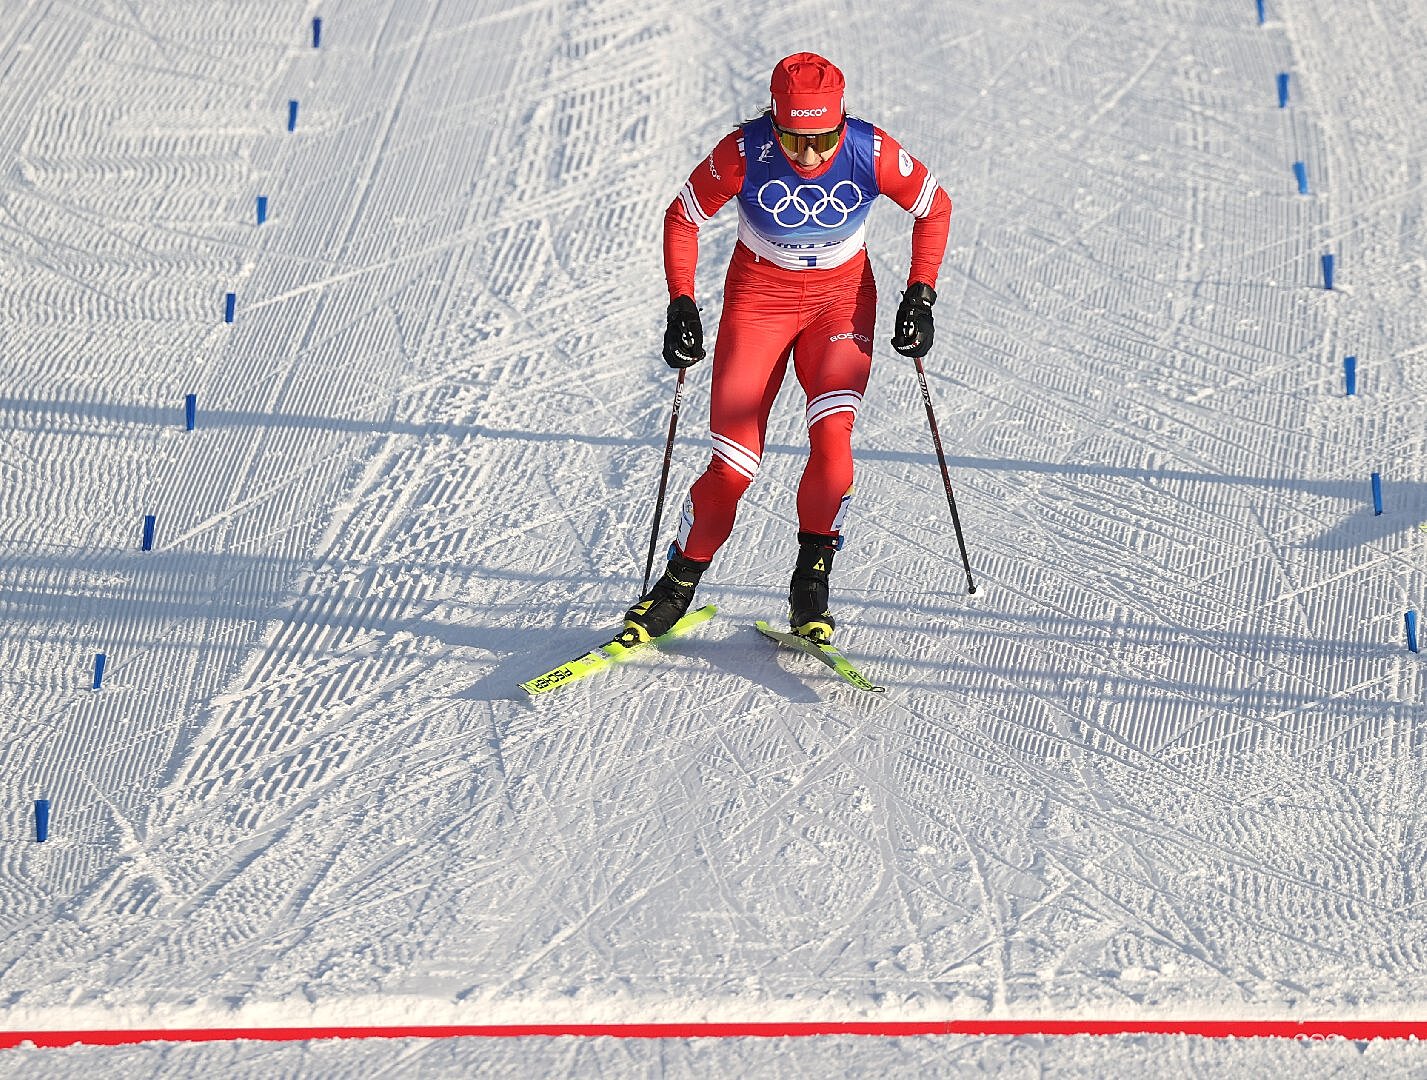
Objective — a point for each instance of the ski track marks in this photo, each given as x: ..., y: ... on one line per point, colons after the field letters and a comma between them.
x: 1167, y: 757
x: 1113, y: 1056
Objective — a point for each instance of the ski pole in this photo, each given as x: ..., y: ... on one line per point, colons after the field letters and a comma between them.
x: 664, y: 477
x: 945, y: 476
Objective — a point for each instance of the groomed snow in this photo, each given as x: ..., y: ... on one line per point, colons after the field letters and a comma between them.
x: 1168, y: 761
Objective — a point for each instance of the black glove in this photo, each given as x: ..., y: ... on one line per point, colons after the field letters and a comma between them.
x: 684, y: 335
x: 914, y: 333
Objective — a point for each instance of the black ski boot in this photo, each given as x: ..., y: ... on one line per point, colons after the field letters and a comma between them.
x: 807, y: 593
x: 667, y: 602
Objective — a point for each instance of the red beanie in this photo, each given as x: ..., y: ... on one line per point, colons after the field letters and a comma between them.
x: 807, y: 92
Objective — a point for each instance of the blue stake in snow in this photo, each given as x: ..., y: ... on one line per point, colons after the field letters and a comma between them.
x: 1259, y: 4
x: 1328, y: 271
x: 1411, y: 620
x: 292, y: 116
x: 262, y: 209
x: 316, y: 33
x: 42, y: 820
x: 149, y: 522
x: 98, y: 670
x: 1300, y: 172
x: 190, y: 412
x: 230, y: 306
x: 1350, y: 374
x: 1282, y: 89
x: 1376, y: 494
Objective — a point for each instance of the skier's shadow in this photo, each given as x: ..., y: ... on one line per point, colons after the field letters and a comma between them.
x: 556, y: 646
x: 748, y: 655
x: 1405, y: 508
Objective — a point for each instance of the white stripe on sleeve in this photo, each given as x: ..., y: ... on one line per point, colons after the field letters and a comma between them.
x: 922, y: 207
x: 691, y: 205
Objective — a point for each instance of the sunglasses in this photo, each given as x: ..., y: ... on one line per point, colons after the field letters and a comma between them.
x: 822, y: 141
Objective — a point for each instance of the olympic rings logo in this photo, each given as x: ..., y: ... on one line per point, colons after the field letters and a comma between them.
x: 809, y: 202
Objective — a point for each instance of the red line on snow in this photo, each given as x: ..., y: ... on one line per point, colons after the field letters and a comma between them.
x: 1357, y: 1030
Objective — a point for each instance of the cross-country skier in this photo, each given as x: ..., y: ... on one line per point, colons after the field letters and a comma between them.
x: 799, y: 285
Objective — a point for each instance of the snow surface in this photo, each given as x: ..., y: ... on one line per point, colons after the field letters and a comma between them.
x: 1072, y: 1058
x: 1166, y: 762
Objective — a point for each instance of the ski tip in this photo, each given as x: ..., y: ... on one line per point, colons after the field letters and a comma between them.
x: 545, y: 683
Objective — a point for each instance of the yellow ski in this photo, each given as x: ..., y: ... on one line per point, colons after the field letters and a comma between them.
x: 828, y: 654
x: 612, y: 652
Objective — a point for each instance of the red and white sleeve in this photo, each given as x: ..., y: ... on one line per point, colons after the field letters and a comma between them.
x: 716, y: 180
x: 910, y: 184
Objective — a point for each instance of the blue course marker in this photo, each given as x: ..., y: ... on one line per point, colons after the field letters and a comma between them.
x: 230, y: 306
x: 42, y: 820
x: 149, y: 522
x: 262, y: 209
x: 1350, y: 374
x: 1282, y: 89
x: 317, y: 33
x: 98, y: 670
x: 1376, y: 494
x: 1411, y: 620
x: 1300, y: 173
x: 190, y: 412
x: 1259, y: 5
x: 292, y: 116
x: 1328, y: 271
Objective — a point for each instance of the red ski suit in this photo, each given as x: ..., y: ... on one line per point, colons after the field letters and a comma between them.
x: 780, y: 301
